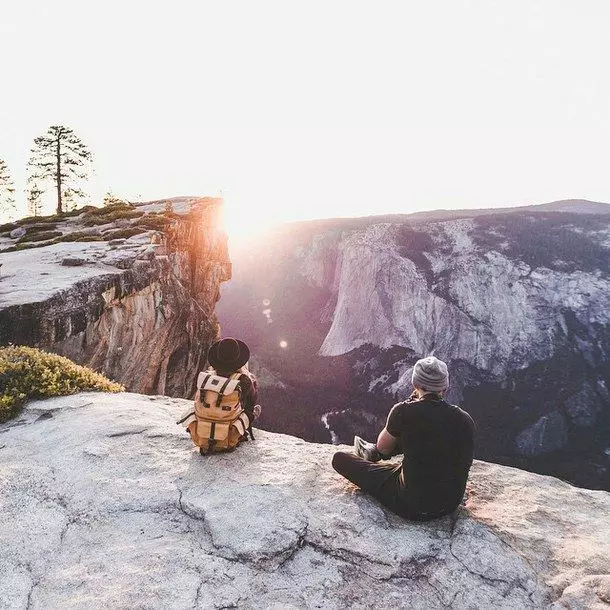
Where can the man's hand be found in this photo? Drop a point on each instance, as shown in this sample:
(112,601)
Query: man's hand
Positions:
(256,410)
(366,450)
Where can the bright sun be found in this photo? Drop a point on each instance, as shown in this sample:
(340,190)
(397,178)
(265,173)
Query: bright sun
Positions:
(244,221)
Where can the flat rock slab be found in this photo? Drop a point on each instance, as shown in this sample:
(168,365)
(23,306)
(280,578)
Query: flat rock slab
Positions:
(31,276)
(106,503)
(72,261)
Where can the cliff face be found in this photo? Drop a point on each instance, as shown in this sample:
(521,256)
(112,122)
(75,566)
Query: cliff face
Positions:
(147,522)
(140,312)
(517,303)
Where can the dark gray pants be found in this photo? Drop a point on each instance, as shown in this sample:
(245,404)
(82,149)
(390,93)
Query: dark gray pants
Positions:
(382,481)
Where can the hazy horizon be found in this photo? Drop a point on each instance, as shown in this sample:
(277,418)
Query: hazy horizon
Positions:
(295,112)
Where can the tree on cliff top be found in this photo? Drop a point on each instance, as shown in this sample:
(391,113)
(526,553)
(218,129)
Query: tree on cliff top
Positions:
(7,191)
(34,203)
(61,157)
(111,199)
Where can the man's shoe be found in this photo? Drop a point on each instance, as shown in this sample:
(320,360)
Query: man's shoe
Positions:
(366,450)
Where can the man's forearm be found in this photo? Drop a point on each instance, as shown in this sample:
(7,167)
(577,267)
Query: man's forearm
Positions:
(386,444)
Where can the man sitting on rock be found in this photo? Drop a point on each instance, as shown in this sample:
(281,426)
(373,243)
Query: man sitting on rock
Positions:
(436,439)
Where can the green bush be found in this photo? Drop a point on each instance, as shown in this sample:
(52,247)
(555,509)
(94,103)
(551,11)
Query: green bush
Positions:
(79,236)
(154,221)
(53,218)
(75,212)
(29,373)
(37,219)
(111,215)
(113,200)
(123,233)
(43,236)
(24,247)
(38,228)
(85,238)
(108,209)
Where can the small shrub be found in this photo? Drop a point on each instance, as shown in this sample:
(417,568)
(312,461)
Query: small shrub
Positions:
(79,236)
(157,222)
(27,246)
(76,212)
(37,228)
(29,373)
(53,218)
(90,238)
(123,233)
(94,222)
(111,215)
(108,209)
(38,220)
(43,236)
(111,199)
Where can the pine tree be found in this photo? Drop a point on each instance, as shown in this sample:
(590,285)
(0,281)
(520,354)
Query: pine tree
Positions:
(111,199)
(34,202)
(71,199)
(7,192)
(61,157)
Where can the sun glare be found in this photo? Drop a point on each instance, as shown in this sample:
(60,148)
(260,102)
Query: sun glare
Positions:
(244,221)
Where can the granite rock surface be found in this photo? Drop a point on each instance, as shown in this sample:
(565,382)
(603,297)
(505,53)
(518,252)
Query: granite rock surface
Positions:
(106,503)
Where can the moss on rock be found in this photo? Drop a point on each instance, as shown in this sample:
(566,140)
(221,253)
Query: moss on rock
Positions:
(40,236)
(124,233)
(111,216)
(79,236)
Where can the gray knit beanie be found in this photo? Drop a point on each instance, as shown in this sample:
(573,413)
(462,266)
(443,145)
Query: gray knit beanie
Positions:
(430,374)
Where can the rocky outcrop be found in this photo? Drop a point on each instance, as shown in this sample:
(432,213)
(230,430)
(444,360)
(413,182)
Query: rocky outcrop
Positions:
(139,309)
(146,522)
(517,303)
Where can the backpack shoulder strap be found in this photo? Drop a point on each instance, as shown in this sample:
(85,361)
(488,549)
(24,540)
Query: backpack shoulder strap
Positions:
(237,377)
(221,391)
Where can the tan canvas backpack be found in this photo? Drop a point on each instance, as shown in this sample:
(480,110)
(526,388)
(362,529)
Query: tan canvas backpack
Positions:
(218,421)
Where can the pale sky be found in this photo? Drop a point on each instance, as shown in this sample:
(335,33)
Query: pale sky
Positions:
(296,110)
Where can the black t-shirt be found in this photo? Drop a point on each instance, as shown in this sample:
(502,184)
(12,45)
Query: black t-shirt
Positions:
(437,441)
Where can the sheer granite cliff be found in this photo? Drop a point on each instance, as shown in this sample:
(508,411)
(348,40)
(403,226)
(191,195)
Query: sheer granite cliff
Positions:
(139,309)
(146,522)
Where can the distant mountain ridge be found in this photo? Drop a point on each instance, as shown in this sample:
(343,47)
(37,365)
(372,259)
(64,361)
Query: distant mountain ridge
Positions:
(569,206)
(578,206)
